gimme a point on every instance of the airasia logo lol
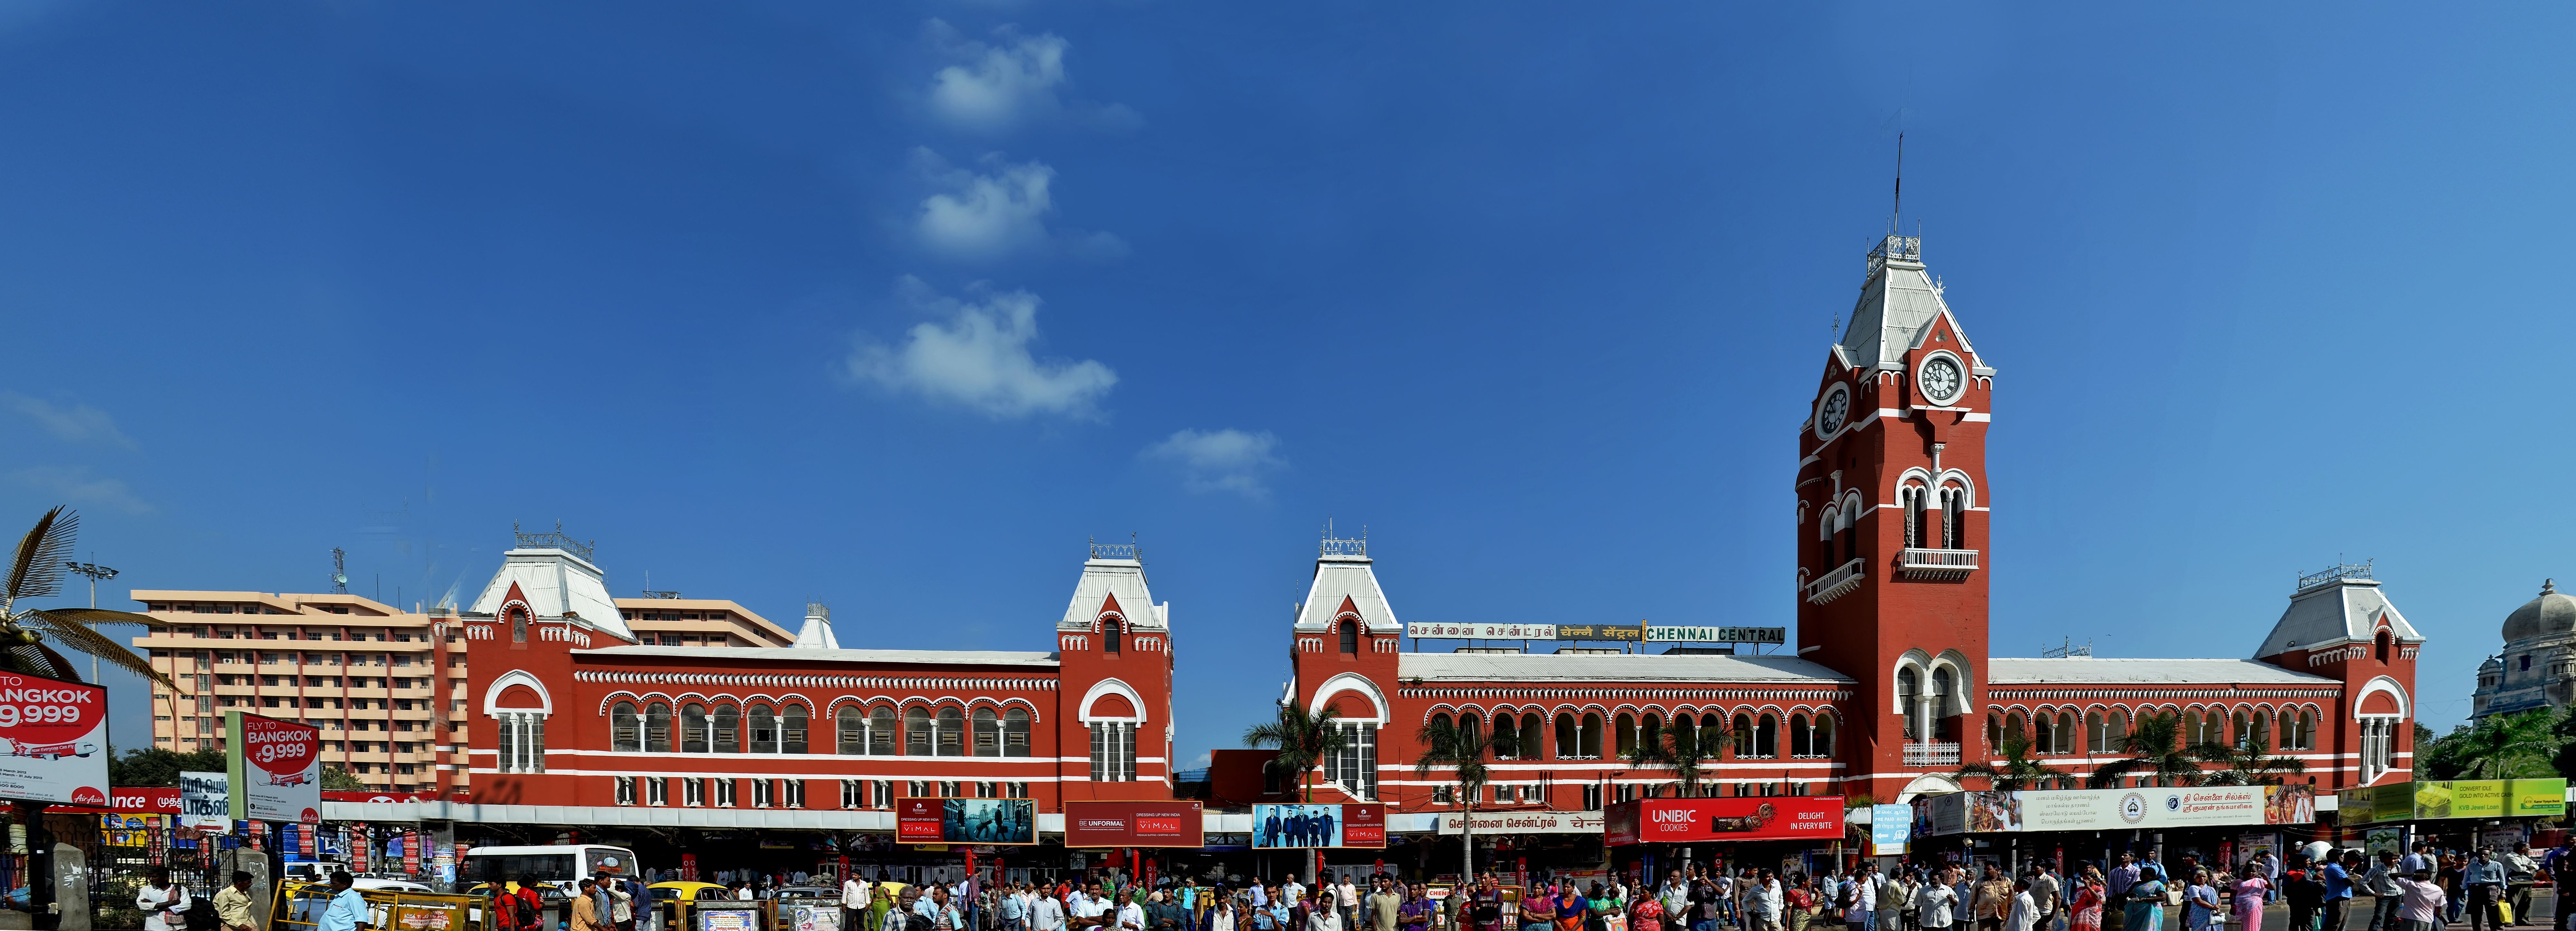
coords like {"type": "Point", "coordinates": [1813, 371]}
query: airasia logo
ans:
{"type": "Point", "coordinates": [37, 711]}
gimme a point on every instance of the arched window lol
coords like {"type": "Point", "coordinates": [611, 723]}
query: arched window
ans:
{"type": "Point", "coordinates": [2068, 733]}
{"type": "Point", "coordinates": [657, 728]}
{"type": "Point", "coordinates": [1471, 726]}
{"type": "Point", "coordinates": [1110, 635]}
{"type": "Point", "coordinates": [1015, 732]}
{"type": "Point", "coordinates": [625, 728]}
{"type": "Point", "coordinates": [1591, 736]}
{"type": "Point", "coordinates": [1938, 726]}
{"type": "Point", "coordinates": [1994, 729]}
{"type": "Point", "coordinates": [1823, 742]}
{"type": "Point", "coordinates": [518, 623]}
{"type": "Point", "coordinates": [952, 732]}
{"type": "Point", "coordinates": [1569, 741]}
{"type": "Point", "coordinates": [764, 729]}
{"type": "Point", "coordinates": [1626, 739]}
{"type": "Point", "coordinates": [1827, 521]}
{"type": "Point", "coordinates": [1507, 736]}
{"type": "Point", "coordinates": [693, 728]}
{"type": "Point", "coordinates": [791, 730]}
{"type": "Point", "coordinates": [727, 731]}
{"type": "Point", "coordinates": [1743, 748]}
{"type": "Point", "coordinates": [2013, 727]}
{"type": "Point", "coordinates": [2385, 638]}
{"type": "Point", "coordinates": [882, 732]}
{"type": "Point", "coordinates": [1350, 636]}
{"type": "Point", "coordinates": [1850, 532]}
{"type": "Point", "coordinates": [1766, 737]}
{"type": "Point", "coordinates": [988, 733]}
{"type": "Point", "coordinates": [1909, 686]}
{"type": "Point", "coordinates": [1531, 744]}
{"type": "Point", "coordinates": [850, 731]}
{"type": "Point", "coordinates": [916, 731]}
{"type": "Point", "coordinates": [1443, 722]}
{"type": "Point", "coordinates": [1801, 740]}
{"type": "Point", "coordinates": [1914, 526]}
{"type": "Point", "coordinates": [2258, 732]}
{"type": "Point", "coordinates": [1650, 732]}
{"type": "Point", "coordinates": [1954, 517]}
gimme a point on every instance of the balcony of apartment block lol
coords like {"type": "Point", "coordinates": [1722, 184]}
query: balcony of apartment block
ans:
{"type": "Point", "coordinates": [1930, 564]}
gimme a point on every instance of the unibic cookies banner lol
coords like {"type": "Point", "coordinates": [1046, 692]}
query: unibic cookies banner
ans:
{"type": "Point", "coordinates": [1134, 824]}
{"type": "Point", "coordinates": [275, 769]}
{"type": "Point", "coordinates": [1685, 820]}
{"type": "Point", "coordinates": [2115, 809]}
{"type": "Point", "coordinates": [55, 736]}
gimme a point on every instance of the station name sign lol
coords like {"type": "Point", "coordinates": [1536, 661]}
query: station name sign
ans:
{"type": "Point", "coordinates": [1649, 633]}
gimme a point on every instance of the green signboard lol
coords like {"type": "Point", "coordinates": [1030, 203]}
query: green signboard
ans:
{"type": "Point", "coordinates": [2457, 798]}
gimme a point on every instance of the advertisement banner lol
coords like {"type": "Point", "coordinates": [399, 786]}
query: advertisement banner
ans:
{"type": "Point", "coordinates": [1770, 635]}
{"type": "Point", "coordinates": [2119, 809]}
{"type": "Point", "coordinates": [2479, 798]}
{"type": "Point", "coordinates": [275, 769]}
{"type": "Point", "coordinates": [2535, 798]}
{"type": "Point", "coordinates": [1281, 826]}
{"type": "Point", "coordinates": [2352, 807]}
{"type": "Point", "coordinates": [2458, 798]}
{"type": "Point", "coordinates": [1001, 821]}
{"type": "Point", "coordinates": [1685, 820]}
{"type": "Point", "coordinates": [53, 741]}
{"type": "Point", "coordinates": [1891, 827]}
{"type": "Point", "coordinates": [1524, 822]}
{"type": "Point", "coordinates": [1481, 631]}
{"type": "Point", "coordinates": [1630, 632]}
{"type": "Point", "coordinates": [203, 803]}
{"type": "Point", "coordinates": [1134, 824]}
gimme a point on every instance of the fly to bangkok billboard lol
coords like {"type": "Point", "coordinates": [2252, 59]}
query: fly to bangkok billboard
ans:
{"type": "Point", "coordinates": [54, 737]}
{"type": "Point", "coordinates": [274, 769]}
{"type": "Point", "coordinates": [1134, 824]}
{"type": "Point", "coordinates": [1685, 820]}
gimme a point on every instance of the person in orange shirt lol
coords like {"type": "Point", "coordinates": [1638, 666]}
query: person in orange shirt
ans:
{"type": "Point", "coordinates": [585, 909]}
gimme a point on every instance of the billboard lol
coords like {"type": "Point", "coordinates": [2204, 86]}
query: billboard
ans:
{"type": "Point", "coordinates": [2118, 809]}
{"type": "Point", "coordinates": [1005, 821]}
{"type": "Point", "coordinates": [1312, 825]}
{"type": "Point", "coordinates": [203, 802]}
{"type": "Point", "coordinates": [274, 769]}
{"type": "Point", "coordinates": [54, 735]}
{"type": "Point", "coordinates": [1771, 635]}
{"type": "Point", "coordinates": [1134, 824]}
{"type": "Point", "coordinates": [1685, 820]}
{"type": "Point", "coordinates": [2459, 798]}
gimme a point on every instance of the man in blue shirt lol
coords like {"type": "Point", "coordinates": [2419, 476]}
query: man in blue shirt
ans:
{"type": "Point", "coordinates": [2484, 880]}
{"type": "Point", "coordinates": [2338, 880]}
{"type": "Point", "coordinates": [348, 909]}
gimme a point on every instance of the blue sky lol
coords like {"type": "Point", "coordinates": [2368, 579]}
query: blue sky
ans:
{"type": "Point", "coordinates": [894, 305]}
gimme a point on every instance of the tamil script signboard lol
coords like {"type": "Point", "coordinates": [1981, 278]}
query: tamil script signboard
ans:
{"type": "Point", "coordinates": [2115, 809]}
{"type": "Point", "coordinates": [203, 802]}
{"type": "Point", "coordinates": [1688, 820]}
{"type": "Point", "coordinates": [54, 737]}
{"type": "Point", "coordinates": [1525, 822]}
{"type": "Point", "coordinates": [1891, 827]}
{"type": "Point", "coordinates": [1482, 631]}
{"type": "Point", "coordinates": [2461, 798]}
{"type": "Point", "coordinates": [274, 769]}
{"type": "Point", "coordinates": [1134, 824]}
{"type": "Point", "coordinates": [1618, 632]}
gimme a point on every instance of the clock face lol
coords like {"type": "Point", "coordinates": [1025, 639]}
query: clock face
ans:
{"type": "Point", "coordinates": [1836, 409]}
{"type": "Point", "coordinates": [1941, 379]}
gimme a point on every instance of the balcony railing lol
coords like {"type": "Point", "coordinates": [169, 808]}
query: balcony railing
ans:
{"type": "Point", "coordinates": [1931, 754]}
{"type": "Point", "coordinates": [1835, 584]}
{"type": "Point", "coordinates": [1920, 563]}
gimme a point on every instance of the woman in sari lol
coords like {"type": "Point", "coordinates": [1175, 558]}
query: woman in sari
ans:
{"type": "Point", "coordinates": [2084, 908]}
{"type": "Point", "coordinates": [2200, 903]}
{"type": "Point", "coordinates": [2145, 910]}
{"type": "Point", "coordinates": [1646, 915]}
{"type": "Point", "coordinates": [1570, 906]}
{"type": "Point", "coordinates": [2251, 892]}
{"type": "Point", "coordinates": [1538, 909]}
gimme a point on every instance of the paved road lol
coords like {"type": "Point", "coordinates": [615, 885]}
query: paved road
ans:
{"type": "Point", "coordinates": [2277, 917]}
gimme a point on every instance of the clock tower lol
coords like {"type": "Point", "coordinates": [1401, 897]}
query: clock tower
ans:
{"type": "Point", "coordinates": [1891, 531]}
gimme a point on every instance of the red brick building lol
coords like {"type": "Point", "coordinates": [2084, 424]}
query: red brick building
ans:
{"type": "Point", "coordinates": [600, 729]}
{"type": "Point", "coordinates": [1892, 683]}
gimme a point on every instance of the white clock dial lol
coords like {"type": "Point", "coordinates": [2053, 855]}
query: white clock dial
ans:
{"type": "Point", "coordinates": [1940, 379]}
{"type": "Point", "coordinates": [1836, 409]}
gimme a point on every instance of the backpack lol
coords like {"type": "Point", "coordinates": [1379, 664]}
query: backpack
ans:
{"type": "Point", "coordinates": [522, 913]}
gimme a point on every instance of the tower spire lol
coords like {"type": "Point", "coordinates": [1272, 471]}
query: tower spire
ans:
{"type": "Point", "coordinates": [1896, 211]}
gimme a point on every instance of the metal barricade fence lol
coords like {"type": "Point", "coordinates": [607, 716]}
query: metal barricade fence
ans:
{"type": "Point", "coordinates": [297, 906]}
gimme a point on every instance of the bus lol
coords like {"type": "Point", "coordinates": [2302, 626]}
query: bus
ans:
{"type": "Point", "coordinates": [563, 866]}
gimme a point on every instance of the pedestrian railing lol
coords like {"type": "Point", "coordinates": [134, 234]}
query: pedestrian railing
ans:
{"type": "Point", "coordinates": [1931, 754]}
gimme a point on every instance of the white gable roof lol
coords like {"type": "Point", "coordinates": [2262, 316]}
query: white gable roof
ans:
{"type": "Point", "coordinates": [1122, 579]}
{"type": "Point", "coordinates": [1614, 667]}
{"type": "Point", "coordinates": [2343, 610]}
{"type": "Point", "coordinates": [1896, 308]}
{"type": "Point", "coordinates": [817, 632]}
{"type": "Point", "coordinates": [2079, 671]}
{"type": "Point", "coordinates": [556, 583]}
{"type": "Point", "coordinates": [1343, 578]}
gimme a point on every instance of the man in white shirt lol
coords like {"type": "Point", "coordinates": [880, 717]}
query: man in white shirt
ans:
{"type": "Point", "coordinates": [1046, 915]}
{"type": "Point", "coordinates": [1290, 889]}
{"type": "Point", "coordinates": [1864, 899]}
{"type": "Point", "coordinates": [1349, 899]}
{"type": "Point", "coordinates": [2024, 915]}
{"type": "Point", "coordinates": [1676, 896]}
{"type": "Point", "coordinates": [854, 902]}
{"type": "Point", "coordinates": [164, 904]}
{"type": "Point", "coordinates": [1131, 916]}
{"type": "Point", "coordinates": [1089, 909]}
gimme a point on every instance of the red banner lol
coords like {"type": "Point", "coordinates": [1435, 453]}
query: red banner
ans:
{"type": "Point", "coordinates": [1363, 825]}
{"type": "Point", "coordinates": [916, 820]}
{"type": "Point", "coordinates": [1134, 824]}
{"type": "Point", "coordinates": [1684, 820]}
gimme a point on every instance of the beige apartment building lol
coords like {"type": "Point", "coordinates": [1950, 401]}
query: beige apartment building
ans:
{"type": "Point", "coordinates": [387, 686]}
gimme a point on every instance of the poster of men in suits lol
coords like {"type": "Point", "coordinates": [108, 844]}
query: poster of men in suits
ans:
{"type": "Point", "coordinates": [1292, 826]}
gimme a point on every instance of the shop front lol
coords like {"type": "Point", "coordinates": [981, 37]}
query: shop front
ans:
{"type": "Point", "coordinates": [2178, 827]}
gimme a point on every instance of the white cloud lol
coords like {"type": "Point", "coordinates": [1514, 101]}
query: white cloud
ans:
{"type": "Point", "coordinates": [1219, 460]}
{"type": "Point", "coordinates": [78, 484]}
{"type": "Point", "coordinates": [978, 357]}
{"type": "Point", "coordinates": [998, 86]}
{"type": "Point", "coordinates": [998, 210]}
{"type": "Point", "coordinates": [79, 423]}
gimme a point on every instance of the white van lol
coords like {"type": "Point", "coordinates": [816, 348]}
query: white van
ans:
{"type": "Point", "coordinates": [562, 866]}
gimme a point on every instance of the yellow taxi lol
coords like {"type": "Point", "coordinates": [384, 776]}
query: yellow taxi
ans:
{"type": "Point", "coordinates": [687, 892]}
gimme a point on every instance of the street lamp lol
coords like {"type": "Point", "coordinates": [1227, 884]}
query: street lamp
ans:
{"type": "Point", "coordinates": [95, 573]}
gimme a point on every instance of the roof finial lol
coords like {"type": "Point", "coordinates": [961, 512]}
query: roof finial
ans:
{"type": "Point", "coordinates": [1896, 212]}
{"type": "Point", "coordinates": [2546, 587]}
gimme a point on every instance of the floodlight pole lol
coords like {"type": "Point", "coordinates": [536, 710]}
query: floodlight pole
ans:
{"type": "Point", "coordinates": [95, 573]}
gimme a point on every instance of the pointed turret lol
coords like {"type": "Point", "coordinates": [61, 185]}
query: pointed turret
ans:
{"type": "Point", "coordinates": [817, 633]}
{"type": "Point", "coordinates": [1897, 307]}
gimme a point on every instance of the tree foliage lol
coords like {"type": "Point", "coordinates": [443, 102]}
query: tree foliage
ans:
{"type": "Point", "coordinates": [2524, 744]}
{"type": "Point", "coordinates": [1461, 749]}
{"type": "Point", "coordinates": [2155, 748]}
{"type": "Point", "coordinates": [335, 779]}
{"type": "Point", "coordinates": [36, 571]}
{"type": "Point", "coordinates": [158, 768]}
{"type": "Point", "coordinates": [1682, 749]}
{"type": "Point", "coordinates": [2019, 770]}
{"type": "Point", "coordinates": [1302, 740]}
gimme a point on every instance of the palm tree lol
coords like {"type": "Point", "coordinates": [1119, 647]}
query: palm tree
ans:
{"type": "Point", "coordinates": [2019, 770]}
{"type": "Point", "coordinates": [2502, 746]}
{"type": "Point", "coordinates": [1303, 740]}
{"type": "Point", "coordinates": [37, 572]}
{"type": "Point", "coordinates": [1463, 750]}
{"type": "Point", "coordinates": [2155, 746]}
{"type": "Point", "coordinates": [1681, 749]}
{"type": "Point", "coordinates": [2251, 766]}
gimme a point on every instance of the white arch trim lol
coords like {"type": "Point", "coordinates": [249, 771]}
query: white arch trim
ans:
{"type": "Point", "coordinates": [492, 696]}
{"type": "Point", "coordinates": [1111, 687]}
{"type": "Point", "coordinates": [1926, 785]}
{"type": "Point", "coordinates": [2405, 708]}
{"type": "Point", "coordinates": [1350, 682]}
